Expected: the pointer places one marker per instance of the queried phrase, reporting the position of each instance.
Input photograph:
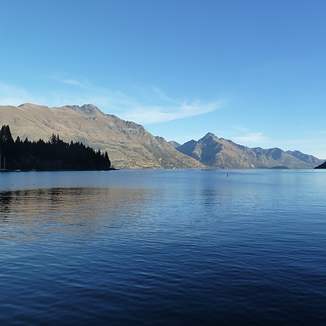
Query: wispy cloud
(145, 105)
(240, 128)
(69, 79)
(155, 114)
(13, 95)
(73, 82)
(256, 138)
(160, 94)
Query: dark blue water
(158, 247)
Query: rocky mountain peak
(88, 109)
(222, 153)
(129, 145)
(209, 135)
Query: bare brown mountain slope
(222, 153)
(128, 144)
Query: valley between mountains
(129, 145)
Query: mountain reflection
(74, 210)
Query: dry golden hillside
(129, 145)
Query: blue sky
(253, 71)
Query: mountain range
(222, 153)
(130, 145)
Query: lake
(163, 247)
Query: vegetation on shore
(321, 166)
(52, 155)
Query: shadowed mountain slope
(305, 157)
(174, 144)
(128, 144)
(321, 166)
(222, 153)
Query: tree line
(55, 154)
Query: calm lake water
(163, 247)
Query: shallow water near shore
(163, 247)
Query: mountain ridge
(222, 153)
(128, 144)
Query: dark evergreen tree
(52, 155)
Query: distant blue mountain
(222, 153)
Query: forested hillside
(52, 155)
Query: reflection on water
(68, 209)
(163, 248)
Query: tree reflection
(72, 210)
(5, 200)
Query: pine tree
(52, 155)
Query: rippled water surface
(163, 247)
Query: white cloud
(241, 128)
(155, 114)
(161, 94)
(12, 95)
(73, 82)
(147, 105)
(144, 105)
(256, 138)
